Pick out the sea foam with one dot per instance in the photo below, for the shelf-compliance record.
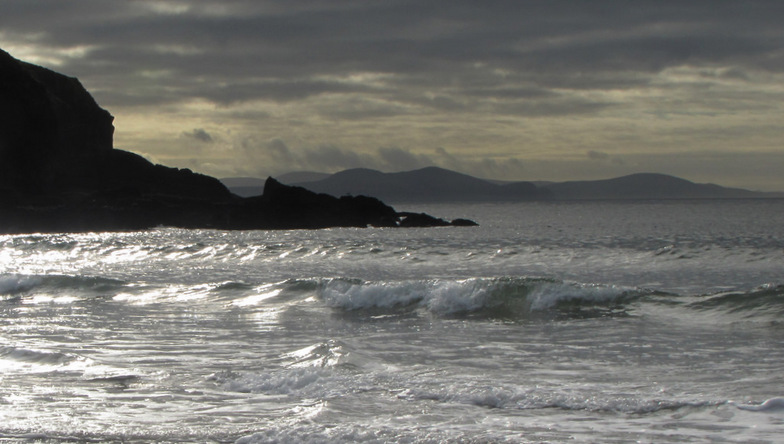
(772, 404)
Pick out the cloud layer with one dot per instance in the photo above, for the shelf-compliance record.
(505, 89)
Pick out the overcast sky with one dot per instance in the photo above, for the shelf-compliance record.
(517, 90)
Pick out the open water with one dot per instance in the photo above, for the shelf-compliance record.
(551, 322)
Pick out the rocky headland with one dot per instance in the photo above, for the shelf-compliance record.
(59, 172)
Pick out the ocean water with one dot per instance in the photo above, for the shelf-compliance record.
(550, 322)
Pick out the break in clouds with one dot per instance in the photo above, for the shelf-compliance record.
(500, 89)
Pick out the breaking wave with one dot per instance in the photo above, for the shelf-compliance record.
(770, 405)
(38, 358)
(483, 297)
(505, 298)
(15, 286)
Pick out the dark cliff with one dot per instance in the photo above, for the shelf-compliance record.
(59, 171)
(55, 141)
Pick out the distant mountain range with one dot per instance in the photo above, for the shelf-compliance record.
(433, 184)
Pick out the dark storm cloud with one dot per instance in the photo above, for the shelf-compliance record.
(501, 84)
(243, 50)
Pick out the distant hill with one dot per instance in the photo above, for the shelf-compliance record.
(301, 177)
(431, 184)
(434, 184)
(645, 186)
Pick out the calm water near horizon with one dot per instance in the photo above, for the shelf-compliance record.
(651, 321)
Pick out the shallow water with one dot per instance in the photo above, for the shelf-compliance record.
(586, 322)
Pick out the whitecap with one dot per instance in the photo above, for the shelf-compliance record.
(772, 404)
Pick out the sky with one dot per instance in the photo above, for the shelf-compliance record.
(512, 90)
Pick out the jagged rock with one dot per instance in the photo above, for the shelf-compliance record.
(421, 220)
(283, 206)
(464, 223)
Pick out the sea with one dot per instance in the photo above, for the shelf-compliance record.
(550, 322)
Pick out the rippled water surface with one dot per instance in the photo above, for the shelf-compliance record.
(587, 322)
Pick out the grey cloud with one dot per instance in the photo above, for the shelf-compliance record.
(357, 107)
(442, 103)
(200, 135)
(280, 152)
(601, 156)
(503, 169)
(510, 92)
(254, 157)
(541, 108)
(442, 153)
(332, 158)
(275, 157)
(447, 160)
(505, 59)
(397, 159)
(598, 155)
(275, 90)
(288, 45)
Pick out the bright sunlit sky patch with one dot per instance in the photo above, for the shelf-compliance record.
(516, 90)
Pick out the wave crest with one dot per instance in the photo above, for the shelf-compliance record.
(19, 285)
(493, 297)
(772, 404)
(766, 299)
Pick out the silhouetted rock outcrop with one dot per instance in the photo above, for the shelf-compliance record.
(283, 206)
(421, 220)
(60, 172)
(460, 222)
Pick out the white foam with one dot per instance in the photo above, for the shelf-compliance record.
(256, 299)
(338, 433)
(352, 295)
(326, 354)
(438, 296)
(446, 297)
(546, 295)
(308, 382)
(319, 371)
(772, 404)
